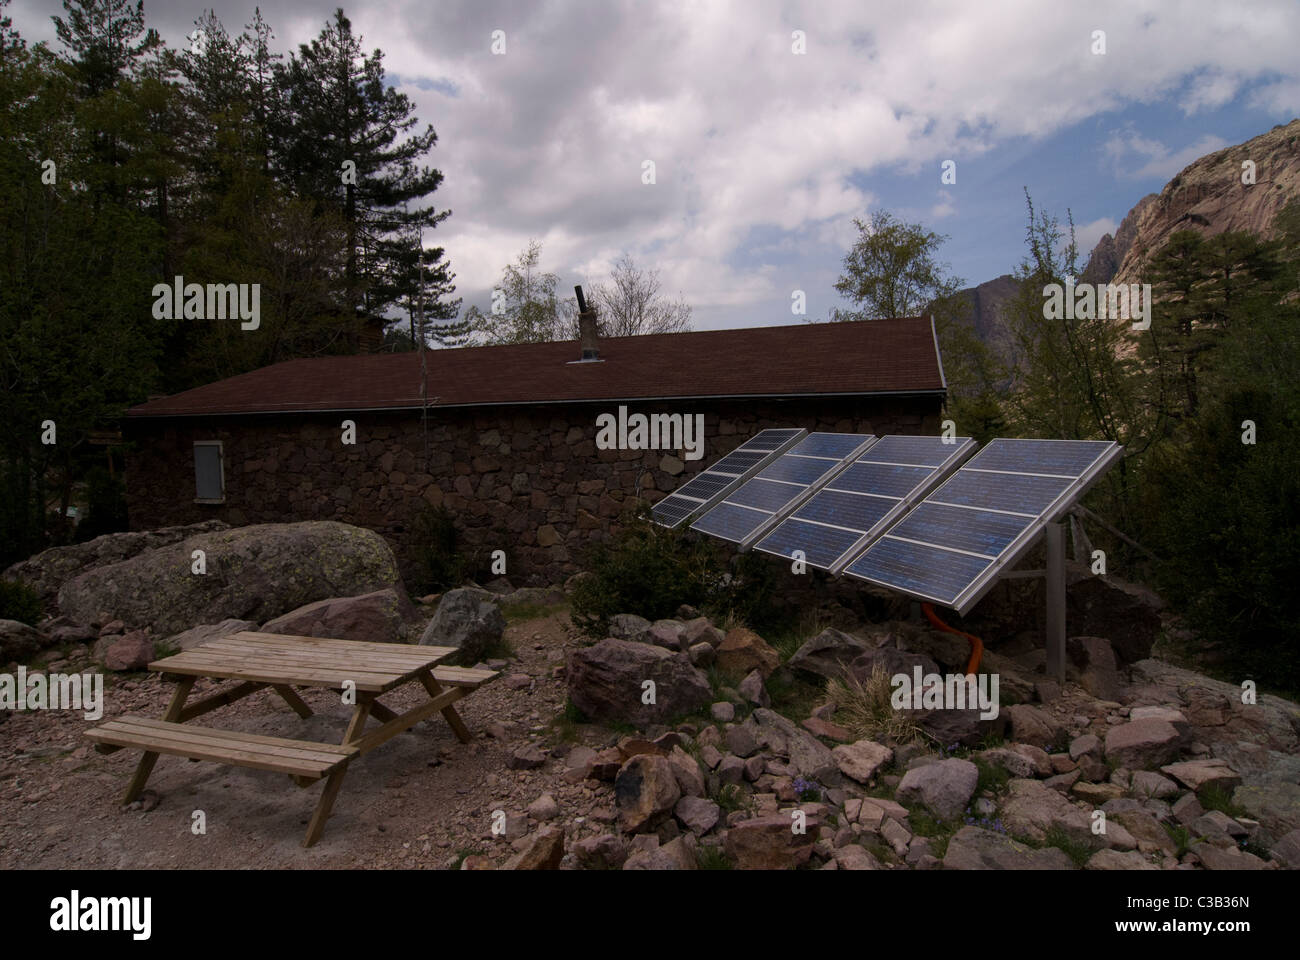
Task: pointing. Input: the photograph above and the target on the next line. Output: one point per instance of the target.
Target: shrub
(650, 571)
(438, 563)
(20, 602)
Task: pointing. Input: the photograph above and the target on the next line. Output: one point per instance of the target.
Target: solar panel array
(902, 512)
(709, 486)
(951, 547)
(860, 502)
(751, 508)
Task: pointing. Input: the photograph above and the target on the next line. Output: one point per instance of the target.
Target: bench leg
(145, 767)
(323, 806)
(449, 713)
(290, 696)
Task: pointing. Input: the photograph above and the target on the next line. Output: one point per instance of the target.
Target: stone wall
(527, 480)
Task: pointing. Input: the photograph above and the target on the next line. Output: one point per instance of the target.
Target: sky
(773, 125)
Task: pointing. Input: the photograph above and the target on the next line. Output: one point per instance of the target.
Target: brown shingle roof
(865, 357)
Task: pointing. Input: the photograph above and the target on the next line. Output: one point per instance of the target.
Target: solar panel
(709, 486)
(951, 547)
(749, 510)
(860, 502)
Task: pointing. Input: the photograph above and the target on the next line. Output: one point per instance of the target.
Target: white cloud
(1087, 235)
(1153, 157)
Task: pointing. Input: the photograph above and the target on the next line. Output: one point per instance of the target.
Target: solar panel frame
(770, 444)
(792, 469)
(962, 448)
(1013, 553)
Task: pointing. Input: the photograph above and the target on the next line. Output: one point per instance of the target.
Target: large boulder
(829, 653)
(1098, 669)
(374, 616)
(48, 570)
(1126, 614)
(770, 843)
(606, 682)
(1142, 744)
(467, 619)
(252, 573)
(742, 650)
(18, 641)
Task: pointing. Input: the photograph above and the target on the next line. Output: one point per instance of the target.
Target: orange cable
(976, 647)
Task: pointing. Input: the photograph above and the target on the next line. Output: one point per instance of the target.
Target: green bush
(20, 602)
(439, 564)
(650, 571)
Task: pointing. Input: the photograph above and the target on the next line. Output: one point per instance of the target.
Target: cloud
(1087, 235)
(1155, 160)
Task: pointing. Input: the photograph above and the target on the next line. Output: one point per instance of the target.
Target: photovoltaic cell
(859, 503)
(709, 486)
(747, 511)
(950, 548)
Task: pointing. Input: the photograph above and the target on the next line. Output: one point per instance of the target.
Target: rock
(731, 769)
(690, 780)
(769, 843)
(605, 682)
(1119, 860)
(664, 633)
(742, 650)
(723, 712)
(828, 654)
(543, 851)
(196, 636)
(1098, 669)
(697, 814)
(1229, 858)
(526, 758)
(645, 792)
(1287, 850)
(1105, 606)
(753, 690)
(964, 727)
(469, 620)
(19, 642)
(477, 861)
(68, 633)
(253, 573)
(854, 857)
(604, 852)
(892, 661)
(1146, 829)
(1087, 745)
(943, 788)
(820, 727)
(112, 628)
(1013, 762)
(678, 854)
(806, 755)
(134, 651)
(862, 760)
(742, 740)
(1032, 725)
(1031, 809)
(702, 654)
(1142, 744)
(1168, 714)
(1146, 784)
(373, 617)
(48, 570)
(630, 747)
(974, 848)
(1096, 793)
(544, 808)
(1275, 805)
(896, 835)
(1187, 808)
(606, 764)
(627, 626)
(1197, 775)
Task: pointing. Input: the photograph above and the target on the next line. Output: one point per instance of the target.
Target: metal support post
(1056, 601)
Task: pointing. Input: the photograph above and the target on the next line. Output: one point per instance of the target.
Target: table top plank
(304, 661)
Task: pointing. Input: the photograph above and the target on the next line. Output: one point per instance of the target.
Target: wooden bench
(298, 758)
(360, 670)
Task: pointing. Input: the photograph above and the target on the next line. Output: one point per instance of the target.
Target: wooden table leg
(290, 696)
(145, 767)
(449, 713)
(324, 805)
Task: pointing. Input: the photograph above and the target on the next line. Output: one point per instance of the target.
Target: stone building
(505, 437)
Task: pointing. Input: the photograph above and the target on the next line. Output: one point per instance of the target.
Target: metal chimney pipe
(587, 335)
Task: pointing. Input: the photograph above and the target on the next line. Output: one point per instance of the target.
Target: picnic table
(261, 660)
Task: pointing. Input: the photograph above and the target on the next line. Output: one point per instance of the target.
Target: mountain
(1208, 196)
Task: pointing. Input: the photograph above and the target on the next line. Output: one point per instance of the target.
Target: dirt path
(421, 800)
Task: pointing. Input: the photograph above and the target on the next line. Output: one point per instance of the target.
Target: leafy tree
(525, 309)
(351, 146)
(892, 270)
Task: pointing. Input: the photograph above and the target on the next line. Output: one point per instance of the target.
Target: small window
(209, 472)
